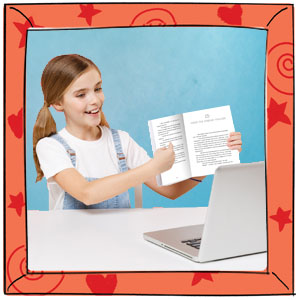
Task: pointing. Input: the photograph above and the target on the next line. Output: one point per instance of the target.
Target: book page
(207, 132)
(162, 132)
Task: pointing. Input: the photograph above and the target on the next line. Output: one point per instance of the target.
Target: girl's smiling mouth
(93, 112)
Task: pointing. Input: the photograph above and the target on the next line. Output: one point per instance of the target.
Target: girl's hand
(164, 158)
(234, 142)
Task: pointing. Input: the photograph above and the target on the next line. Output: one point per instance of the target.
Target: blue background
(152, 72)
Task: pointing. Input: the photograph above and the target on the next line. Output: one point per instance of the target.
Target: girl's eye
(80, 95)
(98, 89)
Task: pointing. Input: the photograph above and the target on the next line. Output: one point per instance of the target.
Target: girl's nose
(97, 98)
(102, 97)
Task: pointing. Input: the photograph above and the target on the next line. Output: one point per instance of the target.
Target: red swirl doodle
(32, 275)
(29, 282)
(281, 68)
(154, 17)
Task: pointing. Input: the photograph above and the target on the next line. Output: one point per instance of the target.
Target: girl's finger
(234, 133)
(237, 142)
(235, 137)
(239, 148)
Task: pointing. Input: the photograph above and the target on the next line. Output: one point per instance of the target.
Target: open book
(199, 139)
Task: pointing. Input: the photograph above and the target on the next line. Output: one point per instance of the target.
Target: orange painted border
(278, 19)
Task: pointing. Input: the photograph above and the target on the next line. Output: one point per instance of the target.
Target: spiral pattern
(285, 65)
(281, 68)
(154, 17)
(31, 282)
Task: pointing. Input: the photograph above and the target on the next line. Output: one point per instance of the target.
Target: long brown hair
(57, 76)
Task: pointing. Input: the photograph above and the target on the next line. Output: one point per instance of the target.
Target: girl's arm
(99, 190)
(175, 190)
(234, 142)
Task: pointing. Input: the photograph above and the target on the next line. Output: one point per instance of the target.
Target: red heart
(16, 123)
(232, 16)
(99, 284)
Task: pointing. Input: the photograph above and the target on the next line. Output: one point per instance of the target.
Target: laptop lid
(235, 222)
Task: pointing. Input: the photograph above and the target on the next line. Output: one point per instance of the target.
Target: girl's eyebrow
(80, 90)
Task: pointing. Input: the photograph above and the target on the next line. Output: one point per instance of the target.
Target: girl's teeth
(93, 111)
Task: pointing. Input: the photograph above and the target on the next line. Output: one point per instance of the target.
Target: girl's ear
(58, 107)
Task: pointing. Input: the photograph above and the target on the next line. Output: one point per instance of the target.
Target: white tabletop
(112, 240)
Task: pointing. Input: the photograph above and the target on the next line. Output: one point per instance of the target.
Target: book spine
(152, 136)
(187, 145)
(153, 144)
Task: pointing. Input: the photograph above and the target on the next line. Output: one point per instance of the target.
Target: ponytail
(43, 127)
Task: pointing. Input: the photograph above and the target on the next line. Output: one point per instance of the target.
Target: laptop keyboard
(195, 243)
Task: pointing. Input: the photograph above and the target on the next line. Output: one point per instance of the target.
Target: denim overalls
(119, 201)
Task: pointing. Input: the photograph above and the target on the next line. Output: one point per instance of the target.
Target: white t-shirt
(95, 159)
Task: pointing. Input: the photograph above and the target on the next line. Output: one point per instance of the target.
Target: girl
(87, 164)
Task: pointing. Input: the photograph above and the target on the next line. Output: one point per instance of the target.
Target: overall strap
(70, 151)
(120, 155)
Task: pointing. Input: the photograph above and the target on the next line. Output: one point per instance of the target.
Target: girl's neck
(92, 134)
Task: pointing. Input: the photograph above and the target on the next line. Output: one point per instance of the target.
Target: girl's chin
(96, 122)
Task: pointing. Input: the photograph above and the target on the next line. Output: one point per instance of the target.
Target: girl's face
(82, 104)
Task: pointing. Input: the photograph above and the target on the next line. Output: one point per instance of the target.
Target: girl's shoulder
(48, 143)
(45, 141)
(124, 135)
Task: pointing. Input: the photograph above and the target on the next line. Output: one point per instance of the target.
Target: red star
(17, 202)
(87, 12)
(276, 113)
(282, 217)
(23, 29)
(198, 276)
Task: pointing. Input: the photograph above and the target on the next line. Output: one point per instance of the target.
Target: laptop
(235, 222)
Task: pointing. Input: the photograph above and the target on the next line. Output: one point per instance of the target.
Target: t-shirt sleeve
(52, 156)
(135, 154)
